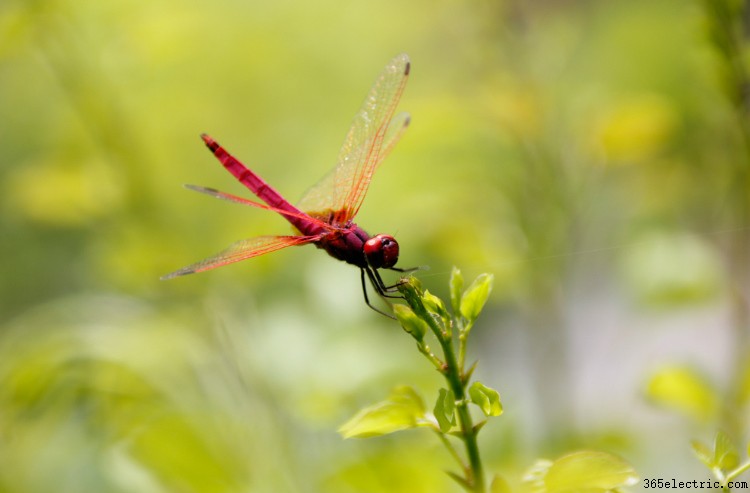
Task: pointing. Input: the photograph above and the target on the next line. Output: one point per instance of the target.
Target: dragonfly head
(381, 251)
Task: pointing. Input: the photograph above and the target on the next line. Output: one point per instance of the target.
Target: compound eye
(381, 251)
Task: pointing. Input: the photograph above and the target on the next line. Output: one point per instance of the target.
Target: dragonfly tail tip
(210, 143)
(178, 273)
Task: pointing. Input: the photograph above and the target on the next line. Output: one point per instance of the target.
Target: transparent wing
(373, 133)
(393, 135)
(241, 200)
(241, 250)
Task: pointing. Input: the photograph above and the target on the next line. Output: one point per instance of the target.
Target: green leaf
(410, 322)
(468, 373)
(534, 475)
(411, 289)
(403, 409)
(726, 455)
(684, 390)
(475, 296)
(486, 398)
(588, 470)
(445, 410)
(499, 485)
(456, 287)
(435, 305)
(704, 453)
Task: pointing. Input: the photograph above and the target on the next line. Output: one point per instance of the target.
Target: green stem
(425, 349)
(744, 467)
(452, 373)
(451, 449)
(461, 349)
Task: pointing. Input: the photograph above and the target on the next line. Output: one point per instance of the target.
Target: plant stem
(453, 375)
(744, 467)
(442, 326)
(451, 449)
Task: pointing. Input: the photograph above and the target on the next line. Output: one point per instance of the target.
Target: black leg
(377, 288)
(379, 285)
(392, 287)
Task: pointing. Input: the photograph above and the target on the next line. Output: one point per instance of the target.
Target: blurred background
(593, 156)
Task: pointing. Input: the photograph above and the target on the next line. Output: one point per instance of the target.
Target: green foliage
(412, 324)
(584, 471)
(499, 485)
(667, 269)
(684, 390)
(534, 156)
(456, 285)
(403, 409)
(588, 471)
(486, 398)
(445, 410)
(723, 459)
(475, 296)
(425, 312)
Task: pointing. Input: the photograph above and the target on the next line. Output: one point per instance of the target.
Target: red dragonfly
(329, 206)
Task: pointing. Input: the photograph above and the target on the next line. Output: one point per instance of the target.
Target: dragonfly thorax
(381, 251)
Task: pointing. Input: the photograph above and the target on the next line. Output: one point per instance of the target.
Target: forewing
(343, 189)
(241, 250)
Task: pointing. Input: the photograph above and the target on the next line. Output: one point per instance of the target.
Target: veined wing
(373, 133)
(242, 250)
(241, 200)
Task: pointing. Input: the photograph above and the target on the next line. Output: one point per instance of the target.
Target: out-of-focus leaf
(460, 480)
(486, 398)
(71, 195)
(636, 129)
(445, 410)
(410, 321)
(744, 386)
(704, 453)
(534, 475)
(175, 451)
(682, 389)
(499, 485)
(726, 455)
(669, 269)
(403, 409)
(584, 471)
(475, 296)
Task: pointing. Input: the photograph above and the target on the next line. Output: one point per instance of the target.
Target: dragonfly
(325, 215)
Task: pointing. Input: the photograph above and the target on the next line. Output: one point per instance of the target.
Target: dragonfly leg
(410, 269)
(377, 288)
(393, 287)
(380, 287)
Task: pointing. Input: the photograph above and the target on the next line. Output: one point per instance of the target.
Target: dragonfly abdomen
(260, 188)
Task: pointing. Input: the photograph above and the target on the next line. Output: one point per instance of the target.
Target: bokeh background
(592, 155)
